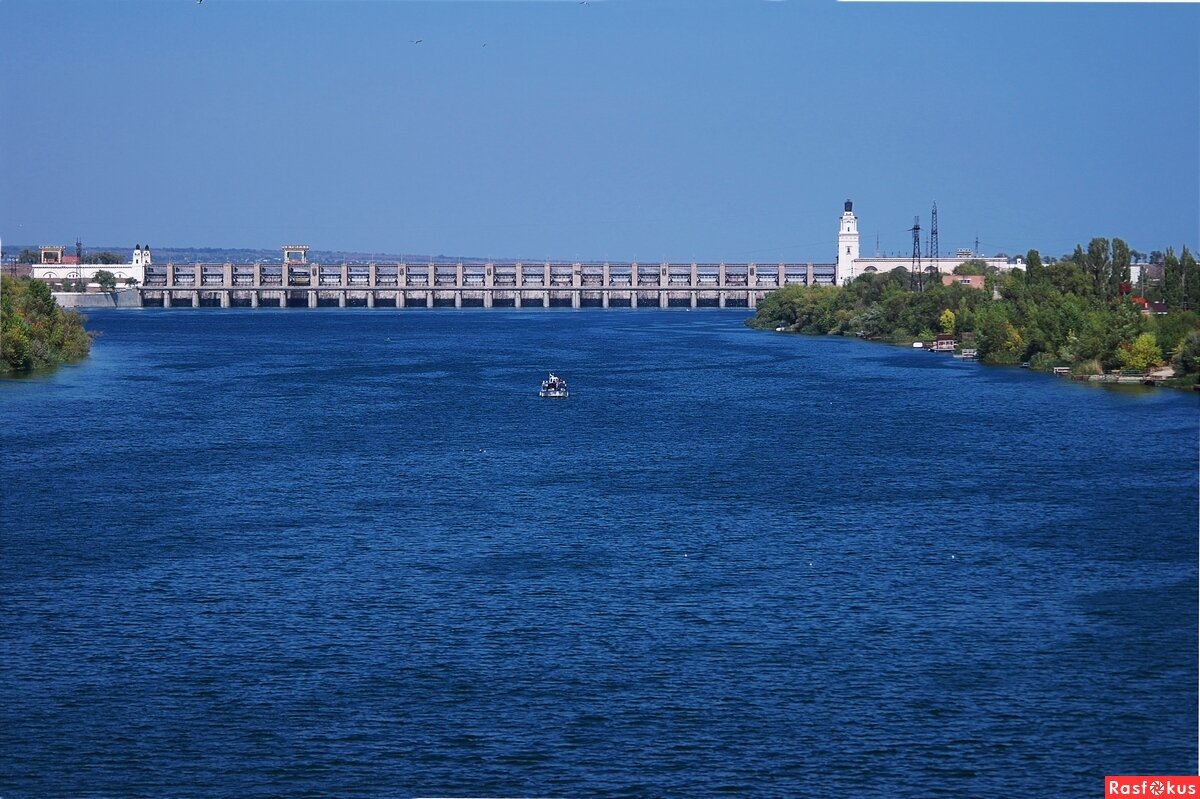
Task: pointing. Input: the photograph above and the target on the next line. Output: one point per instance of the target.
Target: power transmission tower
(916, 254)
(78, 251)
(934, 253)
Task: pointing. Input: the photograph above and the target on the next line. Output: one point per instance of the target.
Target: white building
(53, 269)
(850, 264)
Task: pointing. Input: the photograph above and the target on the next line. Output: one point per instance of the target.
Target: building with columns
(850, 263)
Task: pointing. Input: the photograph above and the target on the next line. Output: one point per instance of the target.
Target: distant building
(944, 342)
(970, 281)
(1149, 308)
(56, 268)
(295, 253)
(55, 254)
(850, 264)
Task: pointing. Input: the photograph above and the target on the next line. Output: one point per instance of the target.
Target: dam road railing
(511, 284)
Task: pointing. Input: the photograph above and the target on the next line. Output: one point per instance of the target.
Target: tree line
(1078, 311)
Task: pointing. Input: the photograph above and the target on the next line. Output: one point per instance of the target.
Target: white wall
(945, 265)
(61, 272)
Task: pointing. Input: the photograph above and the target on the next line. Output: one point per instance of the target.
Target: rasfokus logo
(1151, 786)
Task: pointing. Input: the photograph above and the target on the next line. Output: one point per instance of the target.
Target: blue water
(351, 553)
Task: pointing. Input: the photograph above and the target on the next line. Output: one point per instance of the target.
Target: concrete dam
(513, 284)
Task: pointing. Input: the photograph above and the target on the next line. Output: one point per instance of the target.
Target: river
(352, 553)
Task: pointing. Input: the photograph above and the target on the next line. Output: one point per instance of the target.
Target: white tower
(847, 245)
(137, 255)
(146, 255)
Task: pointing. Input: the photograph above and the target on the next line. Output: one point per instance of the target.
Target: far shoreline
(1177, 383)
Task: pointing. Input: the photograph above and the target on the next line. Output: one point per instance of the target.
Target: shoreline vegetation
(1077, 313)
(35, 332)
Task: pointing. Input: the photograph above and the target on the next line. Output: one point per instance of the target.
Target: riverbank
(1162, 377)
(1074, 315)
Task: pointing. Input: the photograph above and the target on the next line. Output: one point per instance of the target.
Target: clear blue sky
(621, 130)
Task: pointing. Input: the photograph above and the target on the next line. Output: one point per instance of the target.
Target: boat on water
(554, 387)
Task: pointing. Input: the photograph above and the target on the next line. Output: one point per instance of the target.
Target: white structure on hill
(850, 264)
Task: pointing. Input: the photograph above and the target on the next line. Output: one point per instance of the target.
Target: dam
(500, 284)
(294, 281)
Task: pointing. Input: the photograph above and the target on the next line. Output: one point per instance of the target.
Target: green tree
(28, 256)
(1171, 329)
(1120, 267)
(946, 321)
(106, 279)
(1187, 360)
(106, 258)
(1172, 282)
(38, 299)
(1035, 273)
(34, 330)
(1099, 266)
(971, 267)
(777, 308)
(1189, 272)
(1143, 353)
(1068, 277)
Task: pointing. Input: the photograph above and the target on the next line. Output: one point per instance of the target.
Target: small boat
(554, 387)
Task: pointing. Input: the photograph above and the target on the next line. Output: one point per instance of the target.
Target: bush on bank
(34, 331)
